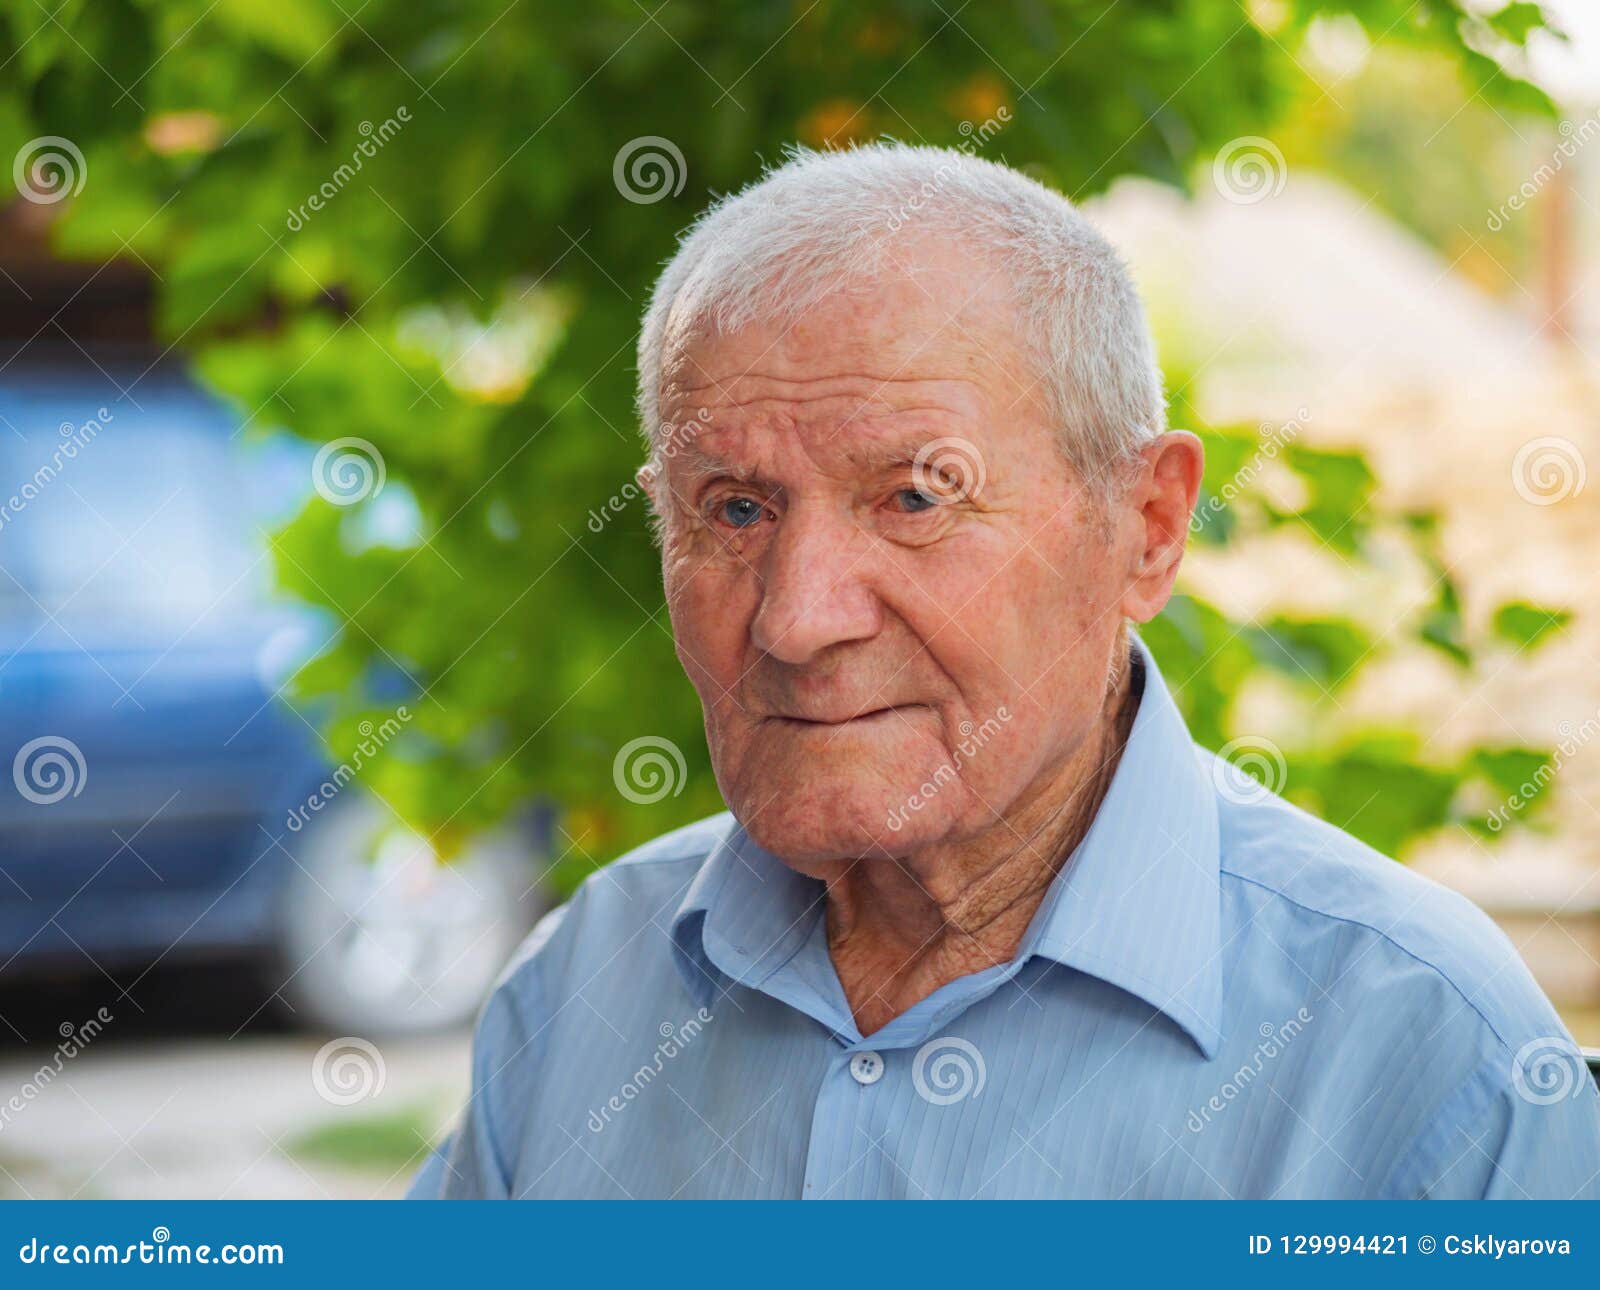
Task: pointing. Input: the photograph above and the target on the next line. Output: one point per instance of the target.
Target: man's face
(883, 576)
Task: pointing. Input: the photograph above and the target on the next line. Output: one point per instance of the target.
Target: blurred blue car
(153, 766)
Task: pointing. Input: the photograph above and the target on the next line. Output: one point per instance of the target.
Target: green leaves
(1205, 659)
(1378, 780)
(1442, 625)
(1524, 625)
(1378, 787)
(302, 31)
(1516, 21)
(1324, 651)
(461, 293)
(1339, 487)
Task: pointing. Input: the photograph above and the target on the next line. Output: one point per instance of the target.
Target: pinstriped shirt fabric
(1220, 996)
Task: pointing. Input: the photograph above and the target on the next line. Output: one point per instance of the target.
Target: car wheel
(379, 937)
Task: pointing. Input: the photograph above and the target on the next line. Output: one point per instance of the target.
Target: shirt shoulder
(595, 968)
(1357, 921)
(628, 903)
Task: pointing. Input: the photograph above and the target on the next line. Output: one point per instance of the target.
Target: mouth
(860, 720)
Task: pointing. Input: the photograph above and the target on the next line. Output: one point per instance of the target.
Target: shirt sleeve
(1524, 1125)
(477, 1161)
(429, 1180)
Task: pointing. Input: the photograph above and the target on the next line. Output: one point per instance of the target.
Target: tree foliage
(403, 223)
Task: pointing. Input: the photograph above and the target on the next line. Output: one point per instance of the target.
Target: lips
(860, 716)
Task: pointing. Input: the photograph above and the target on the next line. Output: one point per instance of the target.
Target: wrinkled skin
(859, 625)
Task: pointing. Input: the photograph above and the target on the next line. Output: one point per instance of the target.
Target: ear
(648, 478)
(1161, 501)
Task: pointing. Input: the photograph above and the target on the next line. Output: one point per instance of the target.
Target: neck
(899, 929)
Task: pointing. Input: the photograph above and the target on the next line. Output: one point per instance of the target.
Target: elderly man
(982, 921)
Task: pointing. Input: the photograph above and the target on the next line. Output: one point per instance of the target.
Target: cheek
(993, 619)
(1029, 635)
(710, 611)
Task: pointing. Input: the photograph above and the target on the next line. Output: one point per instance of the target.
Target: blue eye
(741, 512)
(914, 500)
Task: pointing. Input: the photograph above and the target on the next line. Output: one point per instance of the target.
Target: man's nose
(814, 590)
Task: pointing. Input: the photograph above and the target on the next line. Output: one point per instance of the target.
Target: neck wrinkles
(898, 930)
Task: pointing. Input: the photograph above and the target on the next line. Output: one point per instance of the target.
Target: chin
(838, 793)
(818, 816)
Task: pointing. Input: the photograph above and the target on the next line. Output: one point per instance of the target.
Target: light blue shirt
(1220, 996)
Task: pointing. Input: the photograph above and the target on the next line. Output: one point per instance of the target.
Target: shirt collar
(1137, 905)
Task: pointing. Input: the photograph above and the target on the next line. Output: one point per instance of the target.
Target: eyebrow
(869, 455)
(700, 462)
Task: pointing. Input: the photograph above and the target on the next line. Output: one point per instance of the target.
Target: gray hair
(823, 218)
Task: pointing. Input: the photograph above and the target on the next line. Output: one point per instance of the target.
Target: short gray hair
(822, 218)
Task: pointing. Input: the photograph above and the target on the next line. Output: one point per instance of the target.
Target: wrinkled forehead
(933, 313)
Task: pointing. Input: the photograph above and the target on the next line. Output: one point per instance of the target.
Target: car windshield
(144, 506)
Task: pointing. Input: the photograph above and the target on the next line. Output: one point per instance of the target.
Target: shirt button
(866, 1068)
